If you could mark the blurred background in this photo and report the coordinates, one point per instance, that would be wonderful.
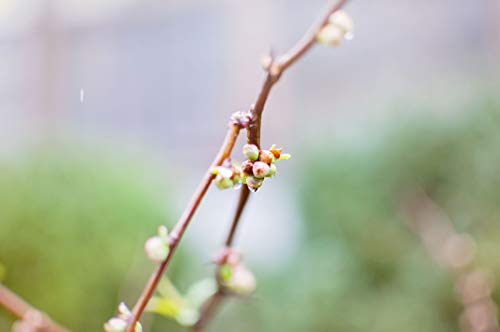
(112, 110)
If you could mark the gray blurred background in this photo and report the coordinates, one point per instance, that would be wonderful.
(163, 76)
(157, 81)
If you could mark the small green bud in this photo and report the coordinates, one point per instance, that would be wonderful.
(251, 151)
(115, 325)
(225, 273)
(254, 183)
(330, 35)
(157, 249)
(272, 170)
(223, 182)
(342, 20)
(266, 156)
(242, 281)
(222, 171)
(123, 310)
(260, 169)
(163, 232)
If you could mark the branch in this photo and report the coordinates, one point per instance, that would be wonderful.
(275, 69)
(37, 320)
(183, 222)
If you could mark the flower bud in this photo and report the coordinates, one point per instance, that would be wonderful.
(251, 151)
(254, 183)
(242, 280)
(124, 311)
(276, 152)
(266, 157)
(223, 182)
(225, 172)
(247, 167)
(342, 20)
(115, 325)
(330, 35)
(266, 61)
(157, 249)
(260, 169)
(163, 232)
(272, 170)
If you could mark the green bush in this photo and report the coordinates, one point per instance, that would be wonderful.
(72, 229)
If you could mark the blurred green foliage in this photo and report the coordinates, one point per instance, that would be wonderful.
(71, 226)
(360, 268)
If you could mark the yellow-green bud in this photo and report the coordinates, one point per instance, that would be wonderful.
(157, 249)
(115, 325)
(342, 20)
(254, 183)
(272, 170)
(223, 182)
(330, 35)
(251, 151)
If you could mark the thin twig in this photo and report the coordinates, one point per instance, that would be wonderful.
(183, 223)
(208, 310)
(23, 310)
(276, 68)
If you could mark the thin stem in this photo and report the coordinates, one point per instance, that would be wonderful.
(20, 308)
(276, 68)
(182, 224)
(245, 192)
(208, 310)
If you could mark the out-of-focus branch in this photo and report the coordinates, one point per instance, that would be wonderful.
(455, 252)
(31, 319)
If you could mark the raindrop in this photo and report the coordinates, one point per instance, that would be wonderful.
(237, 186)
(82, 95)
(349, 36)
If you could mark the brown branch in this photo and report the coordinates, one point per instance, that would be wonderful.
(275, 69)
(24, 311)
(182, 224)
(208, 310)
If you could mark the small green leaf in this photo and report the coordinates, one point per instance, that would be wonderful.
(164, 307)
(168, 290)
(199, 292)
(285, 156)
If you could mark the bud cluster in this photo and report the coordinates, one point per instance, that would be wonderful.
(228, 175)
(157, 247)
(260, 164)
(120, 323)
(235, 277)
(339, 26)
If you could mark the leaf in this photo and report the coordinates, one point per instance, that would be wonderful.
(168, 290)
(164, 306)
(199, 292)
